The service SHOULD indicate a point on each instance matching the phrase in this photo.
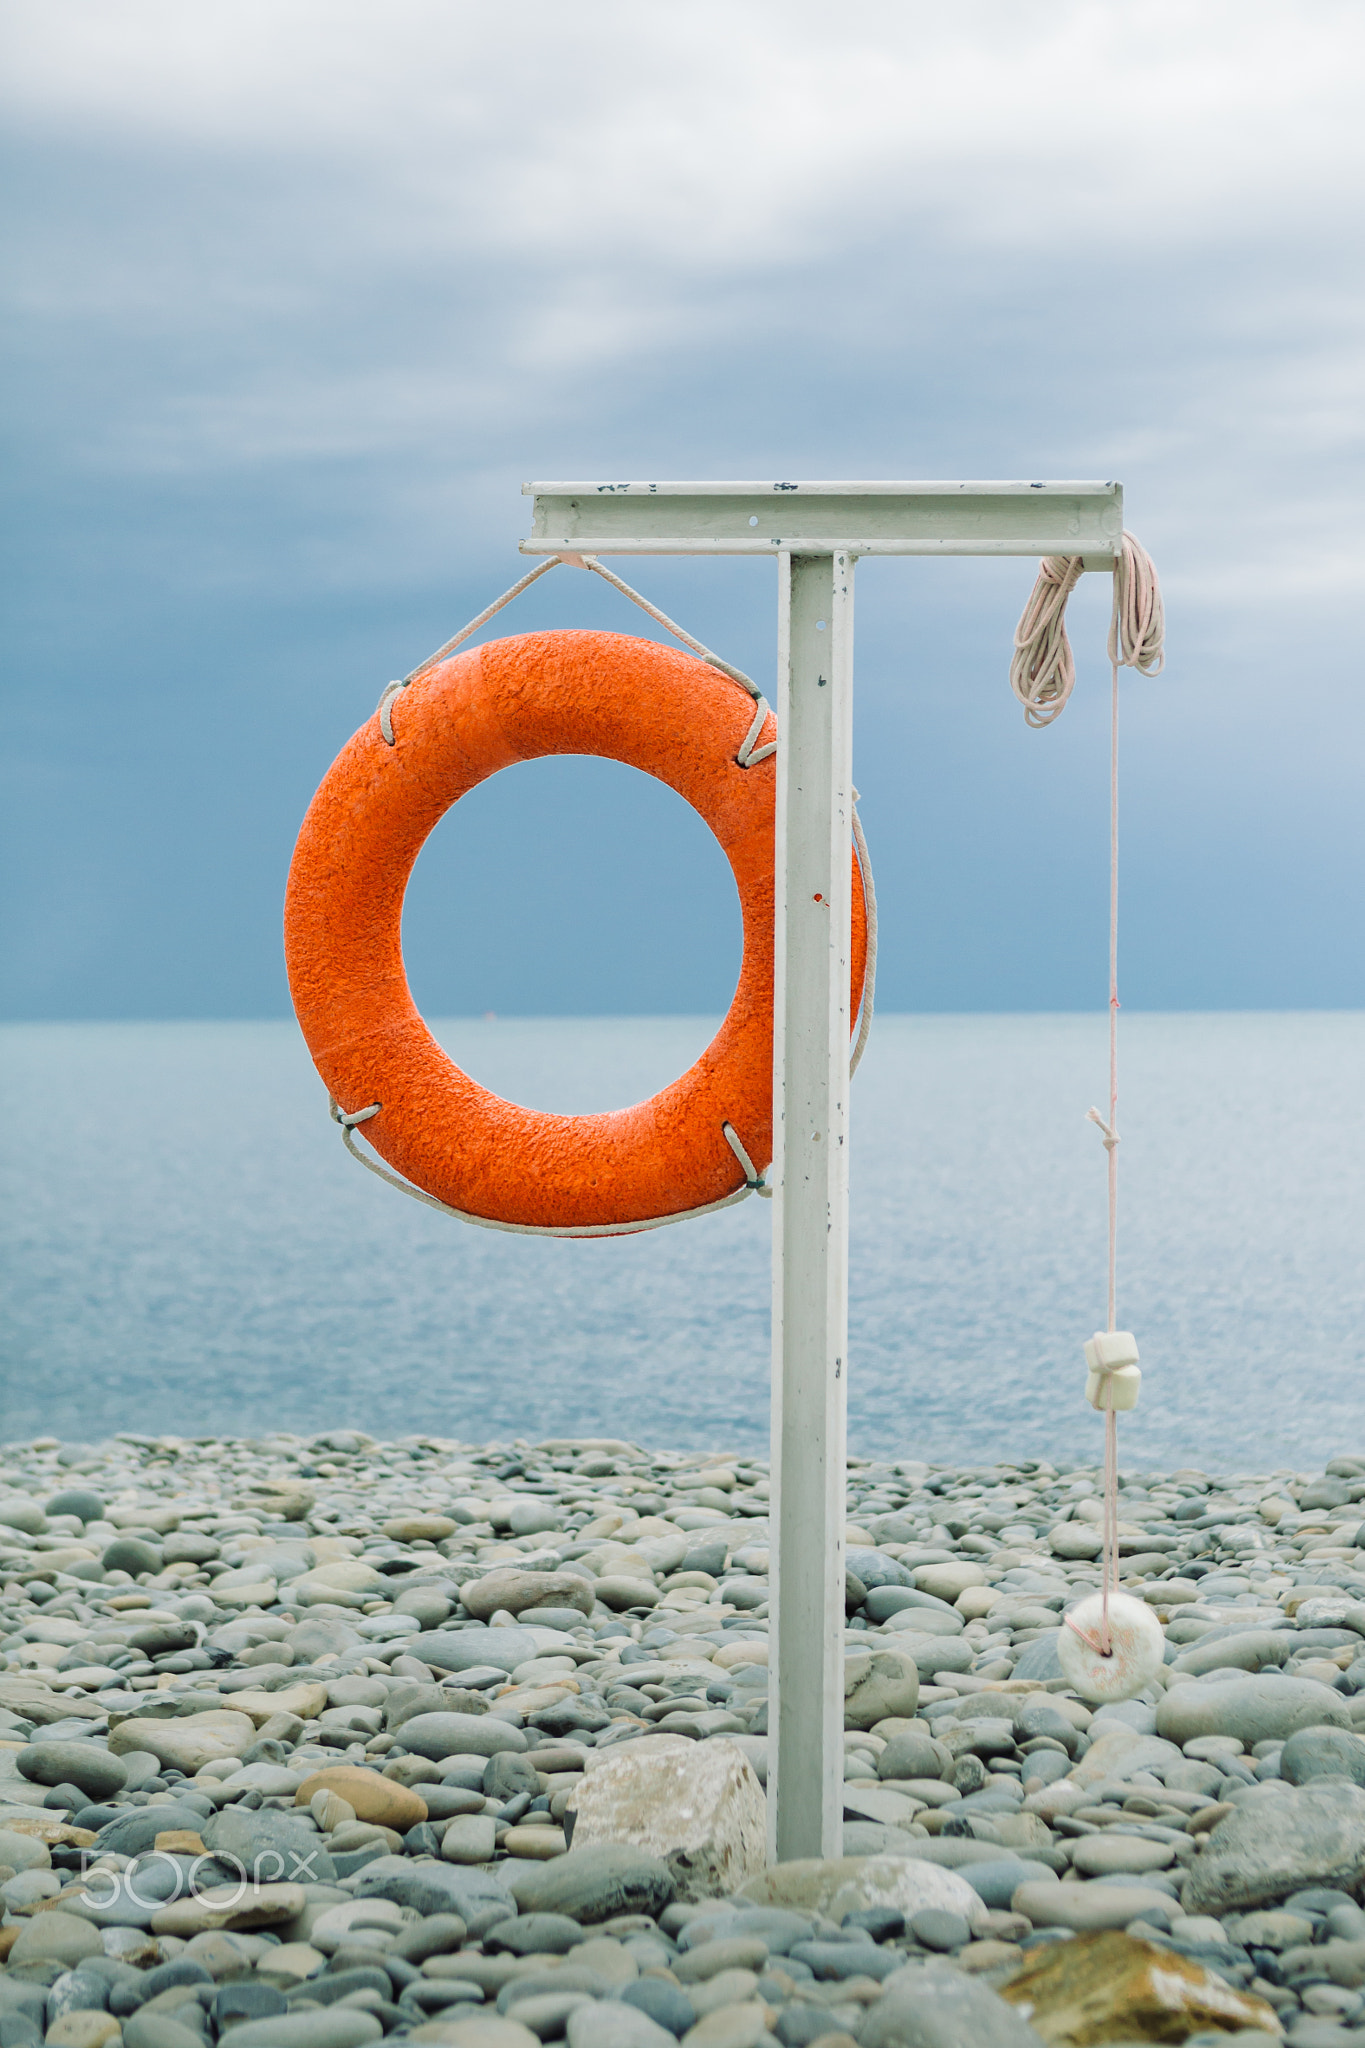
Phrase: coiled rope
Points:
(1042, 676)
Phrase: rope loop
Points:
(754, 1184)
(1043, 671)
(570, 560)
(348, 1119)
(1043, 668)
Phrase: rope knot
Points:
(348, 1119)
(1109, 1135)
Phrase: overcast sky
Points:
(301, 293)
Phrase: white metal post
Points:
(811, 1029)
(816, 530)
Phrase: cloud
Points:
(301, 290)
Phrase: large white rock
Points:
(697, 1806)
(879, 1684)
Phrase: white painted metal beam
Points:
(826, 518)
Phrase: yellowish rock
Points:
(43, 1827)
(419, 1528)
(1112, 1987)
(949, 1581)
(533, 1699)
(180, 1842)
(475, 2033)
(372, 1796)
(538, 1843)
(245, 1588)
(291, 1963)
(83, 2030)
(731, 1655)
(307, 1700)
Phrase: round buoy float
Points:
(1137, 1647)
(456, 724)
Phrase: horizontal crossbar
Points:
(867, 518)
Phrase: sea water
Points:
(186, 1248)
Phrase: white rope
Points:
(1042, 675)
(749, 754)
(391, 689)
(754, 1184)
(1043, 671)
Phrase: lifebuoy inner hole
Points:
(572, 886)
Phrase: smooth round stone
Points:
(1100, 1855)
(131, 1554)
(77, 1501)
(381, 1801)
(996, 1882)
(419, 1528)
(546, 2013)
(86, 1765)
(1254, 1709)
(139, 1766)
(17, 1511)
(948, 1582)
(531, 1517)
(429, 1606)
(331, 2027)
(909, 1754)
(722, 1952)
(440, 1737)
(56, 1937)
(1085, 1908)
(1137, 1641)
(469, 1838)
(549, 1934)
(940, 1931)
(621, 1591)
(566, 1618)
(445, 1802)
(24, 1890)
(1316, 1753)
(1211, 1749)
(381, 1628)
(23, 1852)
(248, 2002)
(1046, 1767)
(666, 2004)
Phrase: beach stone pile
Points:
(312, 1741)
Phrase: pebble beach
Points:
(316, 1741)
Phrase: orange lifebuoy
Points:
(459, 722)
